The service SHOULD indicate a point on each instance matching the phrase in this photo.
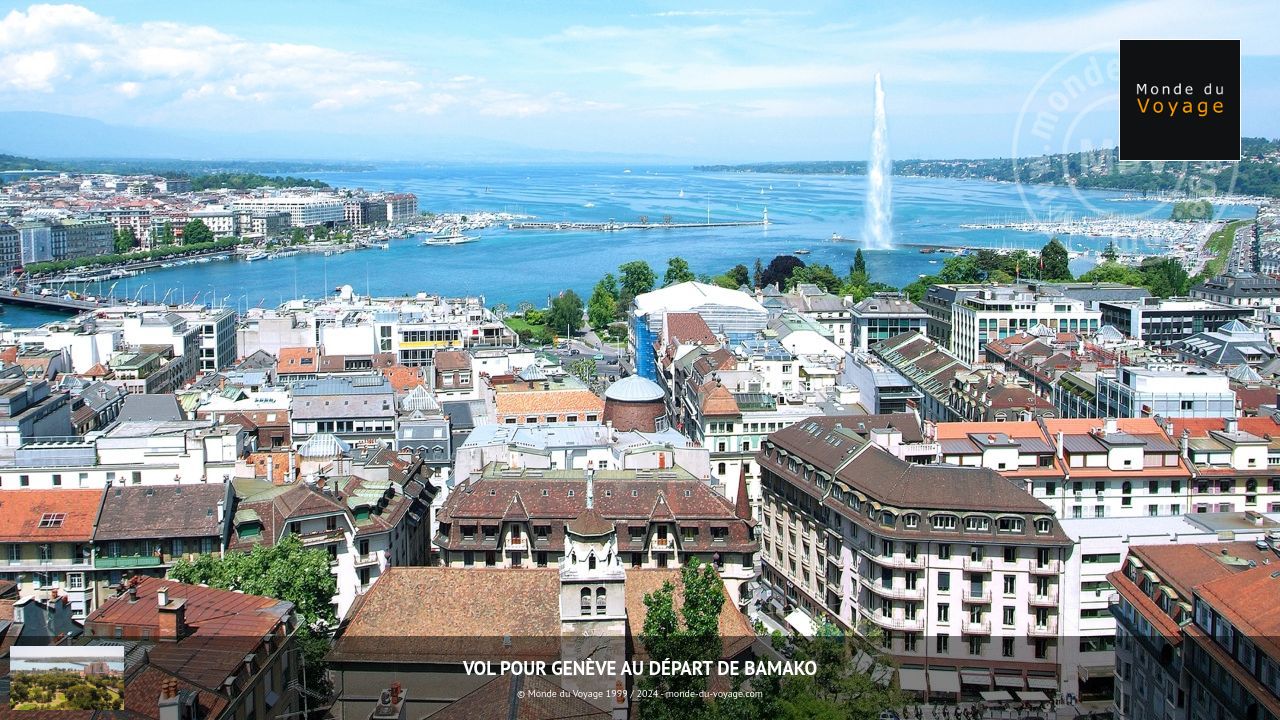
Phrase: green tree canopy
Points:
(739, 275)
(665, 637)
(196, 232)
(602, 308)
(565, 313)
(125, 241)
(821, 275)
(637, 278)
(677, 272)
(1054, 261)
(779, 271)
(859, 262)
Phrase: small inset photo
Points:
(87, 677)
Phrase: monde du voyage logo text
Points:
(1179, 100)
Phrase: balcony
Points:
(663, 544)
(128, 561)
(50, 564)
(1052, 567)
(368, 559)
(324, 537)
(517, 543)
(893, 561)
(1048, 628)
(896, 593)
(1043, 600)
(897, 623)
(972, 565)
(982, 627)
(977, 596)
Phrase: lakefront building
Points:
(958, 568)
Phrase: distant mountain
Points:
(54, 136)
(1257, 173)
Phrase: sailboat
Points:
(681, 192)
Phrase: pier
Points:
(612, 226)
(51, 302)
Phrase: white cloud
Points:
(29, 71)
(129, 89)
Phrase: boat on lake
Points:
(255, 255)
(453, 237)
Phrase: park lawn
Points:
(1220, 245)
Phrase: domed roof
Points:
(323, 445)
(634, 388)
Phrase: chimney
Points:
(1232, 424)
(1110, 426)
(1185, 443)
(591, 486)
(1058, 450)
(222, 510)
(170, 705)
(391, 704)
(162, 595)
(172, 620)
(133, 595)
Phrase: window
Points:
(1043, 526)
(1008, 617)
(1011, 525)
(585, 602)
(601, 602)
(490, 558)
(24, 481)
(944, 613)
(944, 581)
(57, 480)
(941, 644)
(1010, 554)
(1010, 584)
(51, 520)
(1006, 646)
(944, 551)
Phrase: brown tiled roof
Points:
(1248, 600)
(1200, 427)
(589, 524)
(1183, 566)
(454, 614)
(160, 512)
(688, 328)
(549, 402)
(24, 512)
(717, 400)
(297, 360)
(142, 694)
(402, 378)
(98, 371)
(520, 697)
(452, 360)
(736, 633)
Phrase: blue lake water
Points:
(514, 265)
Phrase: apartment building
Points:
(304, 210)
(996, 312)
(10, 248)
(958, 568)
(882, 316)
(401, 207)
(48, 543)
(352, 408)
(208, 653)
(815, 304)
(1164, 390)
(1255, 291)
(517, 517)
(1195, 629)
(930, 368)
(1235, 463)
(1163, 321)
(30, 410)
(366, 523)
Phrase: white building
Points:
(304, 210)
(997, 312)
(1164, 390)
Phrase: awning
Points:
(1095, 671)
(801, 623)
(911, 679)
(996, 696)
(944, 681)
(1009, 681)
(976, 677)
(1044, 683)
(1033, 696)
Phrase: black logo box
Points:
(1187, 66)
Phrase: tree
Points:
(584, 368)
(677, 272)
(501, 310)
(166, 235)
(1110, 254)
(286, 571)
(321, 232)
(839, 689)
(602, 308)
(821, 275)
(1165, 277)
(859, 262)
(125, 241)
(637, 278)
(523, 308)
(565, 313)
(297, 236)
(196, 232)
(757, 274)
(779, 271)
(696, 639)
(739, 275)
(1113, 272)
(1054, 261)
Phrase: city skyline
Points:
(681, 83)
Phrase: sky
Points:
(702, 81)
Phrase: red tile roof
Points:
(60, 515)
(452, 360)
(298, 360)
(1200, 427)
(684, 328)
(402, 378)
